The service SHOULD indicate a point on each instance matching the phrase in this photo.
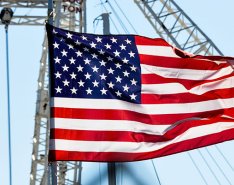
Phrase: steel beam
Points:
(24, 3)
(27, 12)
(174, 25)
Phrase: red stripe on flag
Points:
(217, 58)
(87, 135)
(128, 136)
(140, 40)
(99, 114)
(190, 144)
(182, 63)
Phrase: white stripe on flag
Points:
(108, 125)
(174, 88)
(157, 51)
(134, 147)
(187, 74)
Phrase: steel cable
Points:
(129, 22)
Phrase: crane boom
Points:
(173, 24)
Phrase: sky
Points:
(215, 18)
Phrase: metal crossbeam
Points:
(28, 20)
(24, 3)
(174, 25)
(27, 12)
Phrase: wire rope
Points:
(110, 17)
(207, 164)
(197, 168)
(220, 169)
(129, 22)
(8, 105)
(156, 173)
(225, 159)
(118, 18)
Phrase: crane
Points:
(166, 18)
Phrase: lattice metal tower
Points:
(165, 16)
(34, 13)
(68, 172)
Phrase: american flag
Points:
(128, 98)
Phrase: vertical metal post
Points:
(54, 173)
(106, 23)
(111, 173)
(53, 170)
(85, 16)
(110, 166)
(57, 14)
(8, 105)
(50, 12)
(81, 16)
(79, 175)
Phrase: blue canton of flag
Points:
(94, 66)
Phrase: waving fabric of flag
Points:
(128, 98)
